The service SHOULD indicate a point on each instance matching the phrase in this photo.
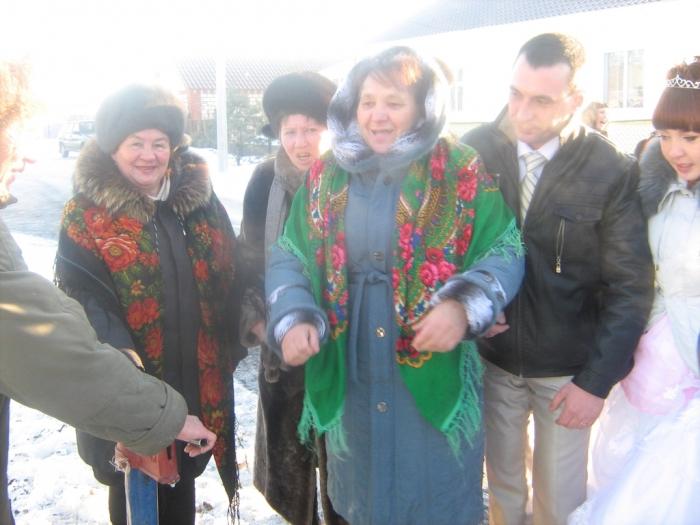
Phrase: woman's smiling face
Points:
(385, 112)
(142, 158)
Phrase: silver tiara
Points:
(679, 82)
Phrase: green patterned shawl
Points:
(450, 214)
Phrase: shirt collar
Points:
(548, 149)
(679, 186)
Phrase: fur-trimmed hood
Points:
(351, 151)
(98, 178)
(655, 178)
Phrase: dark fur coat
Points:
(285, 469)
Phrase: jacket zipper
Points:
(518, 336)
(518, 332)
(519, 297)
(559, 246)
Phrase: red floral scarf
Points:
(128, 251)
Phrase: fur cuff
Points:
(481, 295)
(289, 321)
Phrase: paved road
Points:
(42, 190)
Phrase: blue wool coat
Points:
(399, 470)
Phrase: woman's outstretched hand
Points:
(300, 344)
(442, 328)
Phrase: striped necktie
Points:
(533, 160)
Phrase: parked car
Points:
(74, 135)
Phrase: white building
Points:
(630, 44)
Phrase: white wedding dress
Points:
(645, 454)
(645, 468)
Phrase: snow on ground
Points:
(50, 485)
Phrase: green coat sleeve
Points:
(51, 360)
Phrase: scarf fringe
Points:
(509, 243)
(233, 516)
(233, 486)
(286, 244)
(462, 425)
(336, 438)
(466, 420)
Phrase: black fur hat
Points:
(306, 93)
(134, 108)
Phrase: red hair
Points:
(14, 100)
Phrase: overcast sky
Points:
(259, 27)
(82, 49)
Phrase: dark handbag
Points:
(161, 467)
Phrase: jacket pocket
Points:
(576, 237)
(578, 213)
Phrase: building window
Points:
(208, 101)
(457, 91)
(624, 79)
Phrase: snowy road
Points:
(49, 484)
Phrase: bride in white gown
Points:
(645, 460)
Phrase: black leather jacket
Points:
(588, 283)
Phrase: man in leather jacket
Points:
(570, 333)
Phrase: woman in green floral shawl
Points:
(397, 253)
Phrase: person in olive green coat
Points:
(50, 358)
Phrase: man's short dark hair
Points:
(549, 49)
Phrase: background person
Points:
(648, 442)
(397, 247)
(285, 469)
(641, 146)
(148, 250)
(569, 334)
(65, 371)
(596, 116)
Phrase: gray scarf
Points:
(284, 185)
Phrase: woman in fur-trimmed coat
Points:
(397, 246)
(148, 250)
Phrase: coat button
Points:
(378, 256)
(382, 407)
(380, 332)
(387, 181)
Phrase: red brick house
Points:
(244, 76)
